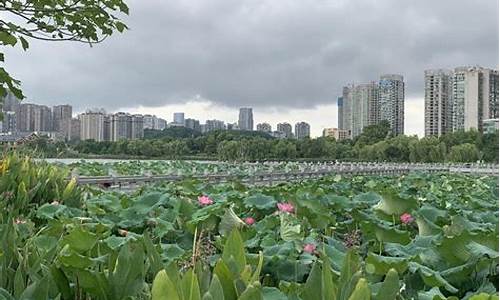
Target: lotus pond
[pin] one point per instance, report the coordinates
(420, 236)
(185, 168)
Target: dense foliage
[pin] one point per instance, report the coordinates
(413, 237)
(372, 145)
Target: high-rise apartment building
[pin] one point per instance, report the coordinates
(438, 104)
(302, 130)
(245, 120)
(363, 99)
(43, 118)
(264, 127)
(10, 102)
(345, 122)
(61, 119)
(9, 122)
(26, 117)
(149, 121)
(74, 133)
(179, 119)
(120, 125)
(153, 122)
(161, 124)
(211, 125)
(286, 128)
(92, 126)
(136, 127)
(193, 124)
(392, 99)
(475, 97)
(360, 107)
(340, 112)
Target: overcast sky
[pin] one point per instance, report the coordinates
(288, 59)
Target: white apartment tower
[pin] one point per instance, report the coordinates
(92, 126)
(475, 97)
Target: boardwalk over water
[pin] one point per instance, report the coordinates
(307, 171)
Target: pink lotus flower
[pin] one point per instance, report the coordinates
(309, 248)
(406, 218)
(205, 200)
(122, 232)
(249, 220)
(286, 207)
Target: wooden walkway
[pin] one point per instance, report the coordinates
(310, 171)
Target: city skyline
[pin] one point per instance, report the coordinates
(255, 54)
(372, 112)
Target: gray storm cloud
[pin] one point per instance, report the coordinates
(293, 54)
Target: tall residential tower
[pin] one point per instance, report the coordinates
(245, 119)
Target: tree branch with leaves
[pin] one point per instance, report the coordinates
(85, 21)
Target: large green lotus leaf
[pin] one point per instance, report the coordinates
(412, 249)
(431, 277)
(272, 293)
(45, 243)
(384, 233)
(281, 250)
(431, 213)
(336, 252)
(147, 202)
(229, 222)
(336, 201)
(290, 229)
(380, 265)
(426, 227)
(162, 227)
(51, 211)
(171, 252)
(484, 296)
(432, 294)
(115, 242)
(369, 198)
(72, 259)
(392, 204)
(289, 270)
(477, 250)
(260, 201)
(80, 240)
(454, 250)
(459, 275)
(206, 212)
(460, 223)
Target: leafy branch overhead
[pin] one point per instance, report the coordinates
(86, 21)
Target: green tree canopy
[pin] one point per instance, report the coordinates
(87, 21)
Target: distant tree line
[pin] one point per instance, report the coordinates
(374, 144)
